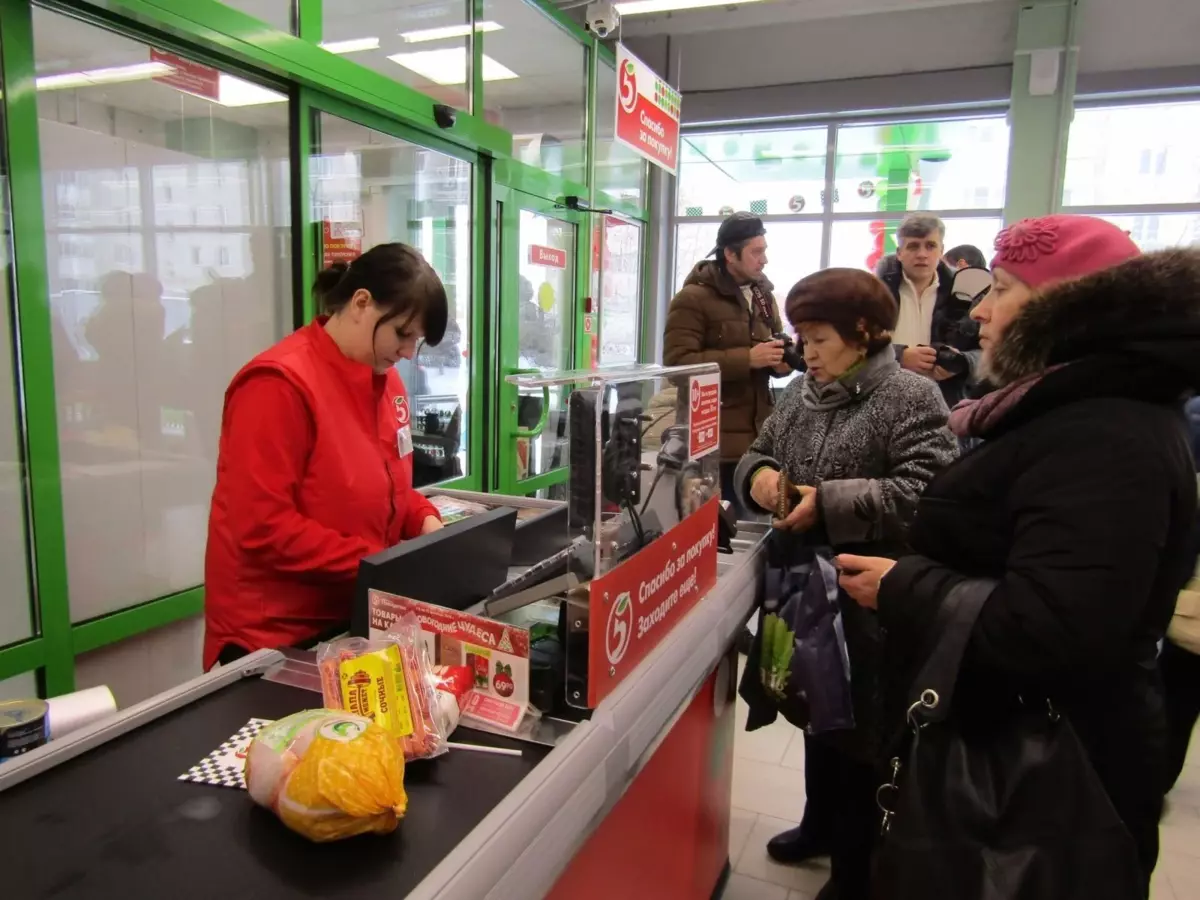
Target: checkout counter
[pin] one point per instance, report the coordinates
(632, 801)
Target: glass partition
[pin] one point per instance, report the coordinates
(620, 293)
(168, 231)
(382, 188)
(426, 46)
(620, 172)
(535, 78)
(280, 14)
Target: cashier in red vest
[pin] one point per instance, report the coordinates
(314, 470)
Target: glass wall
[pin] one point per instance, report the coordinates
(279, 14)
(619, 243)
(833, 195)
(620, 172)
(424, 45)
(168, 231)
(535, 79)
(1139, 167)
(16, 610)
(381, 188)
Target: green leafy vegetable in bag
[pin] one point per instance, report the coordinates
(777, 646)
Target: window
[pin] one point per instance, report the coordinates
(426, 46)
(153, 177)
(16, 611)
(279, 13)
(620, 172)
(1138, 166)
(537, 87)
(378, 188)
(854, 242)
(620, 276)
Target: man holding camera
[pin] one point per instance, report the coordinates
(726, 313)
(934, 335)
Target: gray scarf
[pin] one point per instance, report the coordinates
(852, 387)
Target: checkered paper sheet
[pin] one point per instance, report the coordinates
(226, 766)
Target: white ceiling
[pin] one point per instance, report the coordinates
(781, 42)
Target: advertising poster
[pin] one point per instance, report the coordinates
(704, 418)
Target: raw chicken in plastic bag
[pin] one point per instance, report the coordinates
(388, 682)
(328, 775)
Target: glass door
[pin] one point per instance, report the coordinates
(538, 252)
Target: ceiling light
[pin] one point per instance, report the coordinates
(642, 7)
(449, 66)
(237, 92)
(448, 31)
(354, 45)
(110, 75)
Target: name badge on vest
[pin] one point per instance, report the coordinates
(404, 440)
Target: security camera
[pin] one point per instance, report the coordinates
(444, 116)
(601, 18)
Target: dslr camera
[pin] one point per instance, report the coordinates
(791, 355)
(953, 361)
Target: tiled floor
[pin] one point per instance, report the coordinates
(768, 797)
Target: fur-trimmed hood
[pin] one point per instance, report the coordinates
(1149, 306)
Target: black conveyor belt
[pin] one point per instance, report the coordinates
(116, 822)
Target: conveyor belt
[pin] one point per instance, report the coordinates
(115, 821)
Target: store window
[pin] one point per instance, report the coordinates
(1139, 167)
(280, 14)
(765, 172)
(620, 172)
(16, 610)
(793, 251)
(426, 46)
(168, 238)
(855, 243)
(369, 188)
(535, 83)
(620, 289)
(933, 165)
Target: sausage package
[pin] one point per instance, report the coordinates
(387, 682)
(328, 775)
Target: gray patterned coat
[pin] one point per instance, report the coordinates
(869, 444)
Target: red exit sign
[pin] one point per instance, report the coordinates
(547, 256)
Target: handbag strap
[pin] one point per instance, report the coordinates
(933, 690)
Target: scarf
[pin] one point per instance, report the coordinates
(851, 386)
(977, 418)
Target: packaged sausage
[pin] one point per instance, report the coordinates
(387, 682)
(328, 775)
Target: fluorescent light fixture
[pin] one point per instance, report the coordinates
(642, 7)
(448, 31)
(449, 66)
(110, 75)
(235, 92)
(354, 45)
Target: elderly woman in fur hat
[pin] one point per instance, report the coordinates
(1079, 503)
(861, 437)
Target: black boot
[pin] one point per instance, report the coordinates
(829, 892)
(794, 847)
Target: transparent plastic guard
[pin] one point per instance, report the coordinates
(643, 453)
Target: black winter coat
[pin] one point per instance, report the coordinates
(1081, 503)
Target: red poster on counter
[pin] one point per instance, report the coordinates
(647, 112)
(704, 422)
(192, 77)
(635, 606)
(341, 242)
(547, 256)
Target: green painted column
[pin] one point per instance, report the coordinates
(1040, 119)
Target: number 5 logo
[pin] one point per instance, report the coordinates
(629, 89)
(620, 629)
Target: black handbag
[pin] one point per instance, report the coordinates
(997, 803)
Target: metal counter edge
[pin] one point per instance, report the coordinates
(524, 844)
(54, 753)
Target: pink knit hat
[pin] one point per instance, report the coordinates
(1061, 248)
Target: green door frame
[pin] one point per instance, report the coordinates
(511, 202)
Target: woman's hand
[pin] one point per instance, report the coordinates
(764, 488)
(431, 524)
(860, 577)
(805, 514)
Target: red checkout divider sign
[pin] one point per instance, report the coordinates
(704, 421)
(636, 605)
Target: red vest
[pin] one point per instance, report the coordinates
(356, 483)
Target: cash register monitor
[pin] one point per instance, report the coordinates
(456, 566)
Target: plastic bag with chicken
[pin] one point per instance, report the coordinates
(328, 775)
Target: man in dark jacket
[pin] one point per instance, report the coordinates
(930, 317)
(726, 314)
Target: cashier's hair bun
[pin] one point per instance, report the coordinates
(399, 280)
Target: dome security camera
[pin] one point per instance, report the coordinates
(601, 18)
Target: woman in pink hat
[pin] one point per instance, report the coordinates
(1077, 506)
